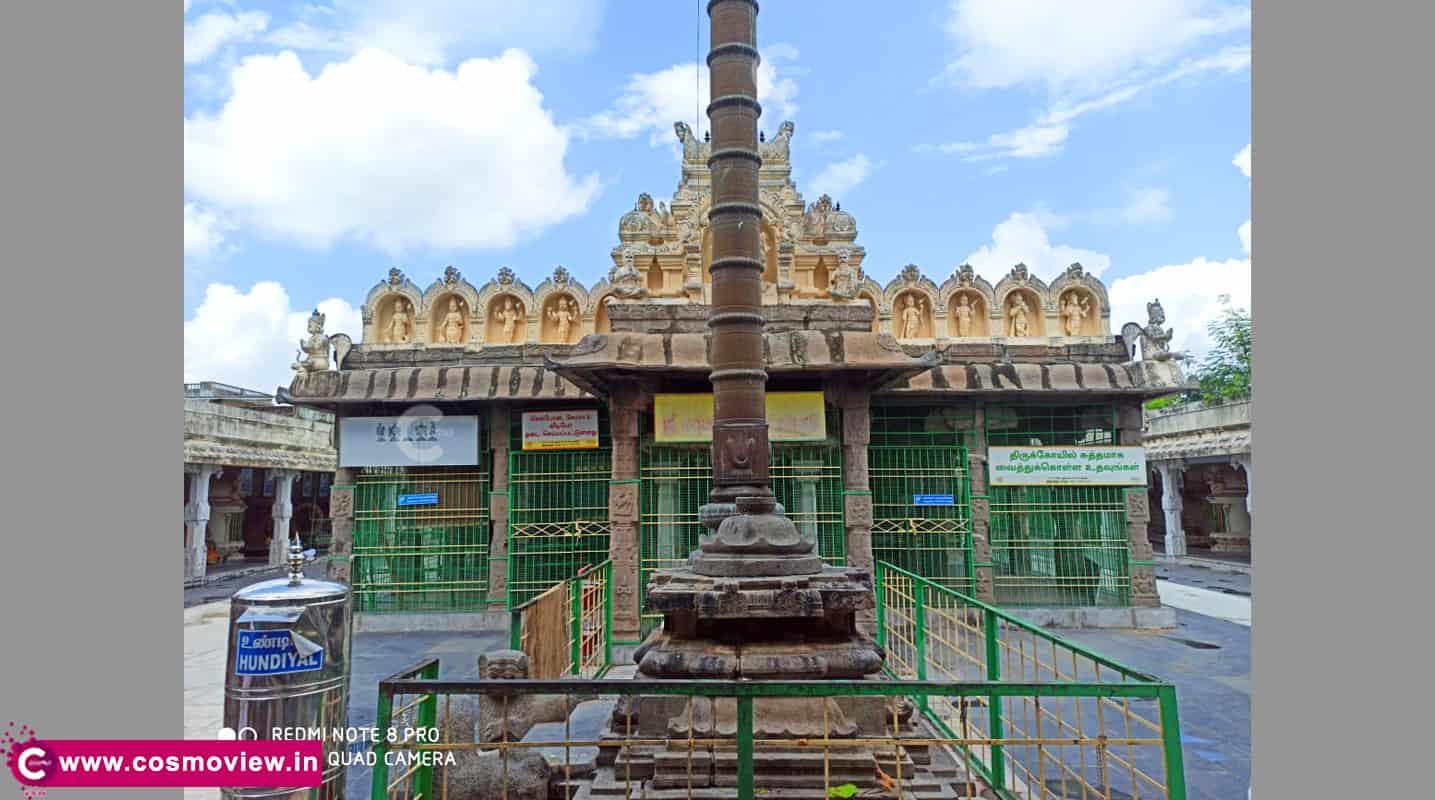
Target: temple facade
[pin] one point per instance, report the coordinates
(981, 431)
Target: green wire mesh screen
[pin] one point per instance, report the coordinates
(421, 558)
(921, 491)
(557, 517)
(1058, 545)
(677, 479)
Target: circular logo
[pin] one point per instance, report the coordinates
(33, 763)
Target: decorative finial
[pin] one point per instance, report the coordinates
(707, 136)
(837, 207)
(396, 276)
(451, 276)
(298, 557)
(762, 136)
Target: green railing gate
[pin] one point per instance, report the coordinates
(676, 481)
(557, 517)
(1058, 545)
(424, 557)
(921, 492)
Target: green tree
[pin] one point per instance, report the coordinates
(1225, 373)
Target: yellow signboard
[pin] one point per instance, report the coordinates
(560, 430)
(791, 417)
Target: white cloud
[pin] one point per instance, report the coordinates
(821, 137)
(1022, 238)
(1245, 233)
(250, 338)
(382, 152)
(1144, 204)
(428, 32)
(651, 102)
(1078, 47)
(1190, 294)
(841, 177)
(204, 232)
(205, 36)
(1048, 135)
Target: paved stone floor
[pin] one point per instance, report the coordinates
(1209, 661)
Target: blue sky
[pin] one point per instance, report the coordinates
(327, 142)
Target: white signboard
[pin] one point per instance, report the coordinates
(1067, 466)
(565, 429)
(413, 440)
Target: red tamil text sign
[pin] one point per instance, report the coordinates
(177, 763)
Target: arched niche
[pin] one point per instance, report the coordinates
(507, 320)
(561, 320)
(822, 274)
(601, 324)
(1078, 312)
(449, 319)
(1035, 314)
(912, 315)
(652, 273)
(394, 320)
(871, 299)
(969, 308)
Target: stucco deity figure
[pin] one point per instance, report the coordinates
(1155, 339)
(844, 280)
(624, 276)
(964, 313)
(400, 325)
(314, 349)
(563, 314)
(1019, 315)
(691, 145)
(453, 324)
(912, 318)
(509, 317)
(1073, 311)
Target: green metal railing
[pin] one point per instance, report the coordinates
(1021, 712)
(1065, 741)
(589, 599)
(557, 517)
(431, 557)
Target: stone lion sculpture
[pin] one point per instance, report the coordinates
(518, 713)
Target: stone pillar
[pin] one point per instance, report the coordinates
(196, 518)
(854, 404)
(625, 407)
(283, 513)
(1129, 423)
(498, 437)
(1171, 474)
(1244, 462)
(983, 573)
(341, 524)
